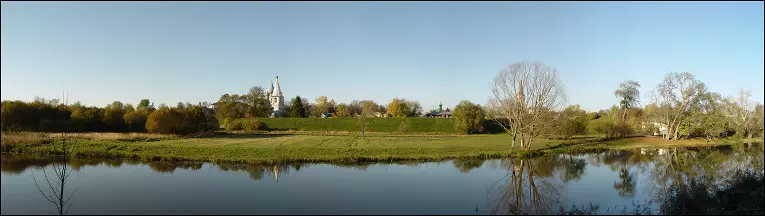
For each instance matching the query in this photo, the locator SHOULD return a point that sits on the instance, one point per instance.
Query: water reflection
(525, 185)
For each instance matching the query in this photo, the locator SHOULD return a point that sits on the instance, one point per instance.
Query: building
(440, 113)
(276, 98)
(660, 129)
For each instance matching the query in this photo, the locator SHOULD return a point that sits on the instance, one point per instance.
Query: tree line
(528, 103)
(529, 97)
(51, 116)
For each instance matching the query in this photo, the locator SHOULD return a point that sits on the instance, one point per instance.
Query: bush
(191, 119)
(246, 124)
(469, 117)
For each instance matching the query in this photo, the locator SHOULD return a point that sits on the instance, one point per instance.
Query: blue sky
(174, 52)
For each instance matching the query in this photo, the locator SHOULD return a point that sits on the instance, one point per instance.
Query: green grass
(402, 125)
(276, 148)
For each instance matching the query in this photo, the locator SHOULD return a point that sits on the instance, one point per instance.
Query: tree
(741, 114)
(354, 108)
(572, 121)
(258, 103)
(630, 98)
(677, 95)
(469, 117)
(113, 116)
(397, 108)
(144, 104)
(706, 119)
(342, 110)
(629, 94)
(525, 93)
(323, 105)
(231, 107)
(413, 108)
(367, 110)
(58, 194)
(297, 109)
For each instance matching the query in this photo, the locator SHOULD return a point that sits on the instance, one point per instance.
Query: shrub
(191, 119)
(469, 117)
(246, 124)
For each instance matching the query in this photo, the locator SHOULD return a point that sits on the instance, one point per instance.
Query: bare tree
(57, 195)
(741, 113)
(525, 93)
(676, 96)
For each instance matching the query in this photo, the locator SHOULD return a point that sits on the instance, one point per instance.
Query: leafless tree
(56, 191)
(741, 113)
(523, 190)
(525, 93)
(676, 96)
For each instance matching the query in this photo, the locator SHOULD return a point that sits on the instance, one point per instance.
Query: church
(276, 98)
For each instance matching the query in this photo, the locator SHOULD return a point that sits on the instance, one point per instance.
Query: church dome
(270, 89)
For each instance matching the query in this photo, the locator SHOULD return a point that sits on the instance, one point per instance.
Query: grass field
(292, 147)
(390, 125)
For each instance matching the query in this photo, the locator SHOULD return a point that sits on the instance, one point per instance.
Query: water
(467, 186)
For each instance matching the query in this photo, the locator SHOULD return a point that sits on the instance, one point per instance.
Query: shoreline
(317, 147)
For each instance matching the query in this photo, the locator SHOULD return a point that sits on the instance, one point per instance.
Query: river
(612, 180)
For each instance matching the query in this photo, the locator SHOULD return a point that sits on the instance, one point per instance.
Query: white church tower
(276, 98)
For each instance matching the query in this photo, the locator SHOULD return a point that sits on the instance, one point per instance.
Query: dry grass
(32, 138)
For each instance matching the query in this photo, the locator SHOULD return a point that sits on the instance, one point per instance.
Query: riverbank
(266, 148)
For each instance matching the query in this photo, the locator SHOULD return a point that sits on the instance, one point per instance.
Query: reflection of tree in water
(526, 189)
(257, 172)
(56, 192)
(625, 187)
(573, 168)
(710, 180)
(17, 164)
(467, 164)
(166, 167)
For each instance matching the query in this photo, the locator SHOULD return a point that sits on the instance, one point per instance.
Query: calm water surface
(468, 186)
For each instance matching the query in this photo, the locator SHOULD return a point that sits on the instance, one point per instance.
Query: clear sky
(174, 52)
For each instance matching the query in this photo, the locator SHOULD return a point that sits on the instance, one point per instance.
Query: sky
(431, 52)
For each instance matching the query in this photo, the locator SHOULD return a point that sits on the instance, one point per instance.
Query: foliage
(414, 108)
(247, 124)
(323, 105)
(342, 110)
(231, 107)
(397, 108)
(571, 121)
(742, 196)
(676, 96)
(180, 120)
(469, 117)
(257, 103)
(113, 116)
(297, 108)
(743, 115)
(136, 120)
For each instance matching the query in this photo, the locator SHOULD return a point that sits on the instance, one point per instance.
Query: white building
(276, 98)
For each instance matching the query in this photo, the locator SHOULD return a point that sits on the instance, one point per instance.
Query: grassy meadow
(296, 146)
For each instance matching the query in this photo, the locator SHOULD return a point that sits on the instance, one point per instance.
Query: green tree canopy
(469, 117)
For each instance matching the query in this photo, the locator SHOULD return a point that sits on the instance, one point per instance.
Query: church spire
(277, 89)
